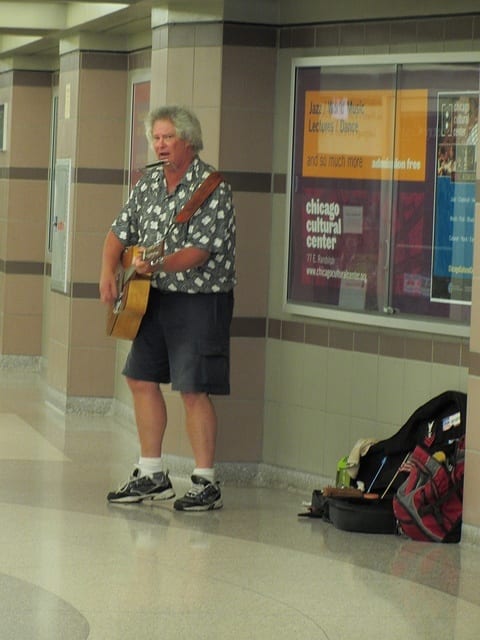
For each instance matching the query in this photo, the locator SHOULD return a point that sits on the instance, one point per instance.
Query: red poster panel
(337, 246)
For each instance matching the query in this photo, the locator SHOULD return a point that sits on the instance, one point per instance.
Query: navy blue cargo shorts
(184, 339)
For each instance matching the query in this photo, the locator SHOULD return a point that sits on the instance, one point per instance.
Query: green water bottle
(343, 477)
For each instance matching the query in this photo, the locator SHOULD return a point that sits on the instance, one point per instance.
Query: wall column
(226, 74)
(23, 210)
(91, 135)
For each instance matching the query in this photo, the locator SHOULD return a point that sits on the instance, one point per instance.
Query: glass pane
(433, 213)
(341, 190)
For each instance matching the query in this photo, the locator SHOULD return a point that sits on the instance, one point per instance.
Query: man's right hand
(112, 251)
(108, 288)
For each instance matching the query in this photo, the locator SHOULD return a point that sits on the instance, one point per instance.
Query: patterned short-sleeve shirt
(147, 216)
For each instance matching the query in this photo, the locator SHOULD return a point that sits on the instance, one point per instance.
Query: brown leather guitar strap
(207, 187)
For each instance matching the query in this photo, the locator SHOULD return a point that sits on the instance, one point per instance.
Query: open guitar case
(363, 516)
(379, 467)
(354, 514)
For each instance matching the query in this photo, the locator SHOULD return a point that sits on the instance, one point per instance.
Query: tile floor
(74, 567)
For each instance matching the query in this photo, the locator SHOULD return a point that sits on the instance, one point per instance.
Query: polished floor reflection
(74, 567)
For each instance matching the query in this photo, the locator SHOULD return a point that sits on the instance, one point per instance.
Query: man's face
(176, 153)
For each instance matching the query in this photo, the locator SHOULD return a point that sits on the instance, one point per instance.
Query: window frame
(386, 319)
(3, 125)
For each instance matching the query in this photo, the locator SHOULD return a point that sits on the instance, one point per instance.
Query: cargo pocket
(214, 363)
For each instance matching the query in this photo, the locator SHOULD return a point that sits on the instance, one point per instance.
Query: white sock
(208, 474)
(149, 466)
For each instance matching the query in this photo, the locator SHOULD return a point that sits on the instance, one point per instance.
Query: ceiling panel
(37, 26)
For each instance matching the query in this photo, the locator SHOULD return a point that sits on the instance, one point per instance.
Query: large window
(382, 192)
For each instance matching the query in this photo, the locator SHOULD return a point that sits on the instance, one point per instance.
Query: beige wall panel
(22, 334)
(180, 74)
(471, 502)
(418, 383)
(253, 240)
(247, 365)
(46, 314)
(285, 376)
(336, 433)
(67, 139)
(176, 442)
(101, 142)
(210, 122)
(60, 313)
(122, 392)
(272, 412)
(30, 136)
(340, 381)
(313, 381)
(87, 256)
(184, 449)
(249, 78)
(309, 428)
(26, 240)
(282, 109)
(5, 186)
(475, 328)
(28, 200)
(246, 140)
(107, 88)
(446, 377)
(90, 372)
(473, 411)
(3, 278)
(57, 365)
(287, 446)
(23, 295)
(3, 238)
(364, 390)
(159, 74)
(239, 430)
(88, 325)
(476, 285)
(97, 206)
(6, 91)
(290, 378)
(68, 95)
(207, 81)
(67, 115)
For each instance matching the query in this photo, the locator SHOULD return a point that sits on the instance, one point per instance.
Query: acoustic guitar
(125, 314)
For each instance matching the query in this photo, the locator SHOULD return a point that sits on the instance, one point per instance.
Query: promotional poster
(382, 193)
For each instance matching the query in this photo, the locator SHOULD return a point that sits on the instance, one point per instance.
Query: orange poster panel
(411, 135)
(352, 135)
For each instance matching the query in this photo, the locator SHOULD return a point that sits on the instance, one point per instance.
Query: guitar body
(125, 315)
